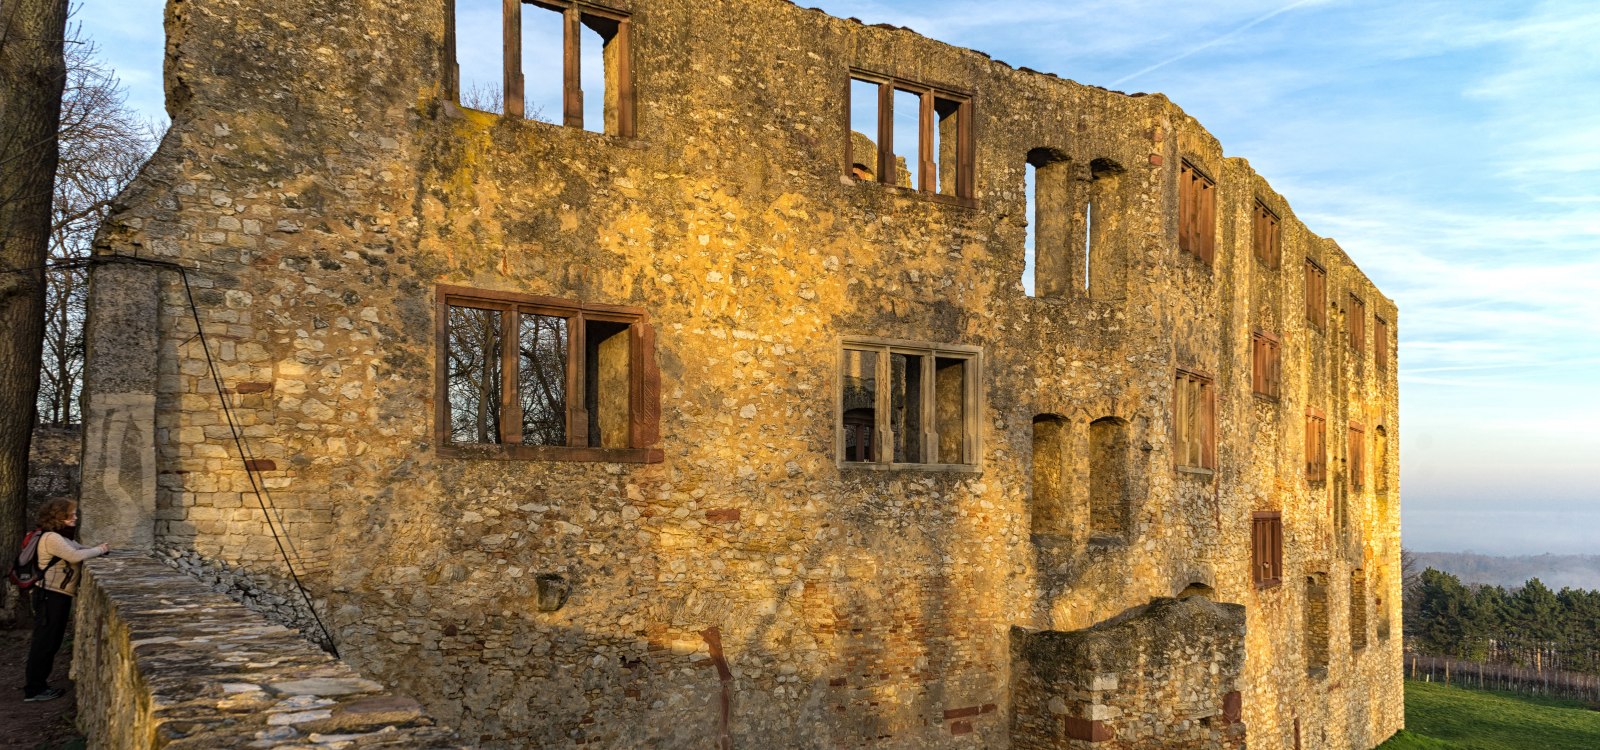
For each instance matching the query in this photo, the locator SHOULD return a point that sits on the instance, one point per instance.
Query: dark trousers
(51, 612)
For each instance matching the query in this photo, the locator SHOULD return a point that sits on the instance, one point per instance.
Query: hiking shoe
(48, 694)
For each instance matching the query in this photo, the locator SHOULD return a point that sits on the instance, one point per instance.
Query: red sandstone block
(723, 515)
(1232, 709)
(961, 727)
(960, 713)
(838, 682)
(1086, 729)
(989, 708)
(260, 464)
(1155, 159)
(252, 388)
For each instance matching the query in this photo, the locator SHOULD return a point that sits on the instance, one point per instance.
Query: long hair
(56, 515)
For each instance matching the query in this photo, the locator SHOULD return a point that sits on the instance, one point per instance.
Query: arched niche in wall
(1315, 633)
(1051, 512)
(1109, 477)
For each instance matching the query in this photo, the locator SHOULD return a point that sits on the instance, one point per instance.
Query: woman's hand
(104, 548)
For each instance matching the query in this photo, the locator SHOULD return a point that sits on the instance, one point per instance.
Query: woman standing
(59, 558)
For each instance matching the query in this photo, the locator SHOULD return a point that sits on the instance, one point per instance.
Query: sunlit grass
(1448, 718)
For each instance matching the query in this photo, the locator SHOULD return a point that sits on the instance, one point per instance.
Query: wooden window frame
(1380, 343)
(1266, 548)
(1266, 236)
(1357, 456)
(575, 15)
(644, 379)
(1316, 293)
(1198, 438)
(883, 439)
(1197, 212)
(1356, 321)
(1316, 445)
(927, 120)
(1266, 365)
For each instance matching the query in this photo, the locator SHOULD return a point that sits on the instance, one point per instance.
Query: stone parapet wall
(162, 662)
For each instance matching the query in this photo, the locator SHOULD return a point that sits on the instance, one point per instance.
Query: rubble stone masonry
(708, 567)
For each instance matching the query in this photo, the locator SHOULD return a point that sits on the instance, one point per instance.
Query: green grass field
(1448, 718)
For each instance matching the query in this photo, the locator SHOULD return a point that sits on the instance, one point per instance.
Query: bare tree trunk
(32, 74)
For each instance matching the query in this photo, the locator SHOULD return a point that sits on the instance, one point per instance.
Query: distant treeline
(1528, 626)
(1556, 571)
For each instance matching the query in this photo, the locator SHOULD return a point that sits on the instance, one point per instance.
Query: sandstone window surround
(1316, 294)
(1266, 365)
(1194, 422)
(908, 405)
(1266, 237)
(612, 28)
(526, 377)
(1316, 445)
(1197, 213)
(943, 163)
(1266, 548)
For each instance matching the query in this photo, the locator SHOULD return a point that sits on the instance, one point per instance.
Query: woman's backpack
(25, 571)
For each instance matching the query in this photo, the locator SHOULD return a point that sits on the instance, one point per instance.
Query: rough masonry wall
(322, 187)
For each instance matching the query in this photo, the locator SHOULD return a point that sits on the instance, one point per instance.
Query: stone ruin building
(682, 421)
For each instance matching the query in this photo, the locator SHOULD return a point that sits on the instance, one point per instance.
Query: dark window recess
(910, 135)
(1380, 344)
(1266, 548)
(906, 405)
(1316, 294)
(1316, 624)
(1266, 368)
(1357, 320)
(1197, 213)
(577, 55)
(1194, 421)
(579, 383)
(1265, 236)
(1358, 456)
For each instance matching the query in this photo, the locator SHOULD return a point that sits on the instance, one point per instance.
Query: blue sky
(1453, 149)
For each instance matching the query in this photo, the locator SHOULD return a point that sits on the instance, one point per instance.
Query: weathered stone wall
(160, 662)
(53, 458)
(1166, 676)
(747, 586)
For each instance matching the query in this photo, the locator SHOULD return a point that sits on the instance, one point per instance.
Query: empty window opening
(907, 107)
(1316, 624)
(474, 375)
(547, 378)
(1109, 472)
(1088, 243)
(1316, 294)
(1266, 548)
(1316, 445)
(1051, 514)
(924, 416)
(1266, 367)
(1358, 456)
(1197, 213)
(1050, 180)
(480, 65)
(1358, 609)
(562, 62)
(1265, 236)
(919, 137)
(1380, 344)
(1194, 421)
(1380, 460)
(1103, 262)
(1357, 321)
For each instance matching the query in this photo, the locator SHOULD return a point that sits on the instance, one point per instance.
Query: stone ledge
(163, 662)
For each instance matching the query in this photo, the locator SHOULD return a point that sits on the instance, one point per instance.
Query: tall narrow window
(1266, 370)
(478, 74)
(1266, 548)
(1316, 624)
(1109, 493)
(1051, 515)
(1316, 294)
(1264, 236)
(1194, 421)
(921, 139)
(1104, 258)
(1380, 463)
(1316, 445)
(907, 404)
(1358, 609)
(1380, 344)
(1050, 177)
(544, 378)
(1357, 320)
(1358, 456)
(591, 78)
(1197, 213)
